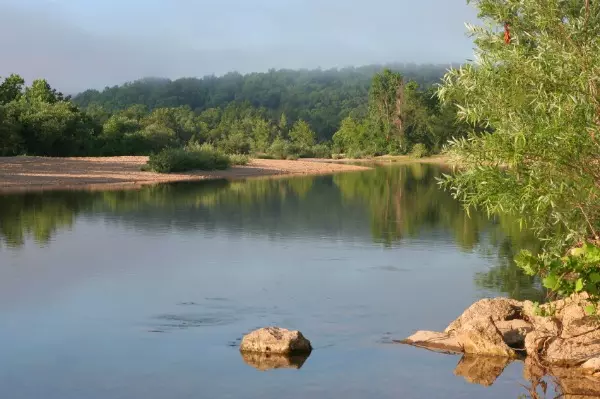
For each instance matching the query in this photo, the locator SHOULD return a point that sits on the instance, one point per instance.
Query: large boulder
(482, 337)
(275, 340)
(498, 309)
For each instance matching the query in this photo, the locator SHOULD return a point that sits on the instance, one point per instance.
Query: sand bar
(41, 173)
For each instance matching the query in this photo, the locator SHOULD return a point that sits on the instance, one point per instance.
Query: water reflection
(398, 203)
(269, 361)
(542, 382)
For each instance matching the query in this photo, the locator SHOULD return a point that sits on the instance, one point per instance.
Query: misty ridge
(78, 45)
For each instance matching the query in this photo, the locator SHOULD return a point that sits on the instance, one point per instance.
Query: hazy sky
(77, 44)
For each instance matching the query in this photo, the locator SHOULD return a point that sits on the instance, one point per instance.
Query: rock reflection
(481, 370)
(544, 383)
(266, 361)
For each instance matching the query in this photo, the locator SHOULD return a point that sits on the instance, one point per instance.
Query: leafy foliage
(419, 151)
(538, 156)
(578, 271)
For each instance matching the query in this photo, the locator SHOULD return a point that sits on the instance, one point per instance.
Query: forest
(353, 112)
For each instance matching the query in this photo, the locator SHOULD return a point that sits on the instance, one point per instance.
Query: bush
(180, 160)
(292, 157)
(321, 151)
(419, 151)
(239, 159)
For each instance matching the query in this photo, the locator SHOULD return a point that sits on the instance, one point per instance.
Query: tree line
(282, 114)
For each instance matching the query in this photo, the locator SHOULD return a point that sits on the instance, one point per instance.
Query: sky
(80, 44)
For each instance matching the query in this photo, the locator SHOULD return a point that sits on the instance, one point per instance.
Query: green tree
(11, 141)
(386, 100)
(261, 133)
(302, 135)
(538, 92)
(11, 89)
(40, 91)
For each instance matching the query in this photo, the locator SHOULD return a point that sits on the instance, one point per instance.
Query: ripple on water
(193, 320)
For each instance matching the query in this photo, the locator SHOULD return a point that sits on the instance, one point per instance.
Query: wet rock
(514, 332)
(481, 337)
(498, 309)
(435, 341)
(482, 370)
(271, 361)
(275, 340)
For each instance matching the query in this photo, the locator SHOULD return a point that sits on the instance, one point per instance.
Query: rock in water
(275, 340)
(482, 337)
(435, 341)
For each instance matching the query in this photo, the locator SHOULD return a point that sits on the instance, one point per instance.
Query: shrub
(292, 157)
(321, 151)
(419, 151)
(180, 160)
(239, 159)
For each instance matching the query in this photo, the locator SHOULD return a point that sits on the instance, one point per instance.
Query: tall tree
(386, 99)
(538, 89)
(11, 88)
(302, 135)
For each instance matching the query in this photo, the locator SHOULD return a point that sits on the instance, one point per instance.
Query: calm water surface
(146, 294)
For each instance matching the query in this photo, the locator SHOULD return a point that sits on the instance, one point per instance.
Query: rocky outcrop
(275, 340)
(554, 335)
(498, 309)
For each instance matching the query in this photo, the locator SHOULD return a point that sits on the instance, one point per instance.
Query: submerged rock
(275, 340)
(271, 361)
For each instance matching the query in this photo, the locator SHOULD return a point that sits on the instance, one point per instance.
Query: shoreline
(28, 174)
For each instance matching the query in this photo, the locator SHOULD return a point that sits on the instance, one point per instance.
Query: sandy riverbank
(41, 173)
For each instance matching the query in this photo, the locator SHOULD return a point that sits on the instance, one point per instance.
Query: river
(147, 293)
